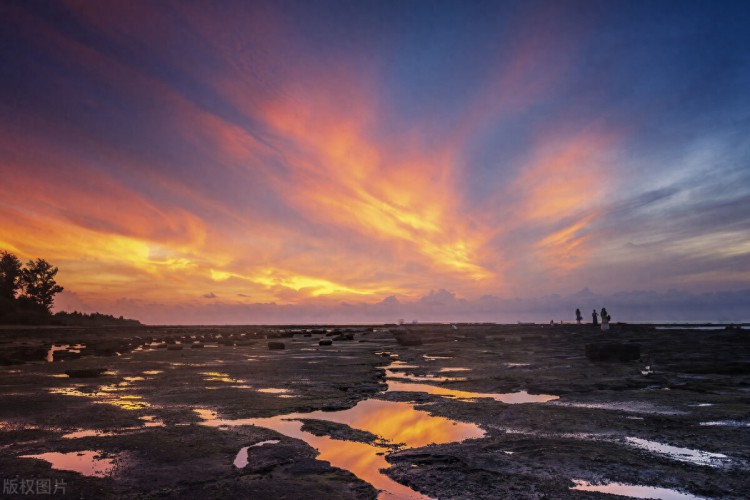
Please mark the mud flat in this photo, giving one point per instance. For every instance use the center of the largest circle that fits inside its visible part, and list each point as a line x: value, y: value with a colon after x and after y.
x: 475, y: 411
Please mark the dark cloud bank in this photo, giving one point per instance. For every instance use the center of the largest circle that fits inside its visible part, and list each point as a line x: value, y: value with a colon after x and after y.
x: 443, y: 306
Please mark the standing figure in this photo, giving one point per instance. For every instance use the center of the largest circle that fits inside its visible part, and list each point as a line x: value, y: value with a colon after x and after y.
x: 605, y: 320
x: 595, y: 318
x: 578, y: 316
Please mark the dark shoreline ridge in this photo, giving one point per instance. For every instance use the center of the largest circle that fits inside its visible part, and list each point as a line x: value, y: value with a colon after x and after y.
x: 689, y: 389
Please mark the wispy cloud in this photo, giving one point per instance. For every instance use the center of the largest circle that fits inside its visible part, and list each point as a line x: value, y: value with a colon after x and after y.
x: 279, y: 155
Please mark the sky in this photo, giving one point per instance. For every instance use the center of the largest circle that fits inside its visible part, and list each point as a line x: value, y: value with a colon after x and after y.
x: 316, y: 161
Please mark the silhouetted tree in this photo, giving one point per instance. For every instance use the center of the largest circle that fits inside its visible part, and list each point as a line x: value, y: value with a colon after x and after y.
x: 38, y: 282
x: 10, y: 275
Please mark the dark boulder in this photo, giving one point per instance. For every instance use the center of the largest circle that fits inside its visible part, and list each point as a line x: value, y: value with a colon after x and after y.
x: 407, y: 338
x: 325, y: 342
x: 276, y: 346
x: 109, y: 348
x: 174, y: 347
x: 613, y: 351
x: 21, y: 354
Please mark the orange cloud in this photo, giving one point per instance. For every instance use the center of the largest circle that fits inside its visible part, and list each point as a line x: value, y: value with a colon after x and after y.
x: 312, y: 202
x: 567, y: 181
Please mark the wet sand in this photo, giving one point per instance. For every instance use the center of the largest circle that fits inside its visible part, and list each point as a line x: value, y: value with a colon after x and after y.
x: 482, y: 411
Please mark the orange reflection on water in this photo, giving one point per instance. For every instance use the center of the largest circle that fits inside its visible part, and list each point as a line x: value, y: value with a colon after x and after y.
x: 508, y: 397
x: 633, y: 490
x: 395, y: 422
x: 398, y: 423
x: 88, y: 463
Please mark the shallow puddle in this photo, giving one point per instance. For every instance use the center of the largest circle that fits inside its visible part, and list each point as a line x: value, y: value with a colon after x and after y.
x: 105, y: 395
x: 274, y: 390
x: 397, y: 423
x: 623, y: 406
x: 87, y: 433
x: 725, y: 423
x: 634, y: 490
x: 220, y: 377
x: 456, y: 369
x: 88, y: 462
x: 435, y: 358
x: 431, y: 378
x: 63, y: 347
x: 400, y: 365
x: 241, y: 460
x: 151, y: 421
x: 508, y: 398
x: 697, y: 457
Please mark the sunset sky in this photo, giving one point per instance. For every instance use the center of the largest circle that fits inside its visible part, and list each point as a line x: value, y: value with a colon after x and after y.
x: 241, y: 162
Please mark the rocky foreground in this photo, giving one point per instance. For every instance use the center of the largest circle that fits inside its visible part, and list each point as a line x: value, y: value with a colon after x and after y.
x: 186, y: 412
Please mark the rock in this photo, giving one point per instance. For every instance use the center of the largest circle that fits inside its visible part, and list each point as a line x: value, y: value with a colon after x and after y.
x: 407, y: 338
x: 109, y: 348
x: 276, y: 346
x: 197, y: 345
x: 62, y: 355
x: 21, y: 354
x: 174, y: 347
x: 338, y: 431
x: 86, y: 373
x: 613, y: 351
x: 344, y: 336
x: 325, y: 342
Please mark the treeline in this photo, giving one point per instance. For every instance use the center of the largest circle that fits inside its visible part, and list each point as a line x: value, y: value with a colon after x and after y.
x: 27, y: 294
x: 93, y: 319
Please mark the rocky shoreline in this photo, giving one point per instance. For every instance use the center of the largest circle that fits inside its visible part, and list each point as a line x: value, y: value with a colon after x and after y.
x: 676, y: 417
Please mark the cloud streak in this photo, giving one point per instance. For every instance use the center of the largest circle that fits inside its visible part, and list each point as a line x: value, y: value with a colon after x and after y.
x: 305, y: 157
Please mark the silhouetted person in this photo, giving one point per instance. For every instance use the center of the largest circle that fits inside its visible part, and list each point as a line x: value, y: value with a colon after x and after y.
x: 578, y: 316
x: 605, y: 320
x: 595, y: 318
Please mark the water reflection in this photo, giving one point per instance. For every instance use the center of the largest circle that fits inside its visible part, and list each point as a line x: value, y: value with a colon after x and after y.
x: 698, y: 457
x: 220, y: 377
x: 88, y: 462
x: 633, y: 490
x: 435, y: 358
x: 241, y: 460
x: 508, y: 398
x: 397, y: 423
x: 105, y: 395
x: 63, y: 347
x: 282, y: 393
x: 725, y: 423
x: 432, y: 378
